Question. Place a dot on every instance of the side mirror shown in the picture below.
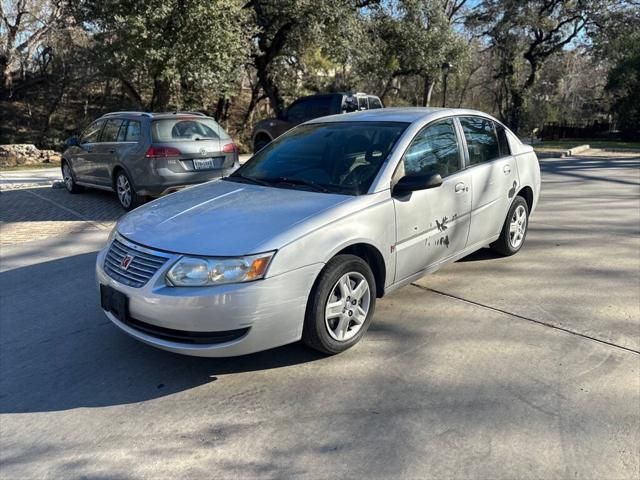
(411, 183)
(72, 142)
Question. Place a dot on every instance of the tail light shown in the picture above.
(162, 152)
(229, 148)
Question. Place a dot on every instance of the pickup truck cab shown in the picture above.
(308, 108)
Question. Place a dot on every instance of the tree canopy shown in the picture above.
(529, 63)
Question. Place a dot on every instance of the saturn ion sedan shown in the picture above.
(298, 243)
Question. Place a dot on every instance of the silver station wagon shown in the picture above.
(299, 242)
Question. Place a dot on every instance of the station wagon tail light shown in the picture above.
(162, 152)
(207, 271)
(229, 148)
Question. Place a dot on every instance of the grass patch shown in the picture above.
(33, 166)
(567, 143)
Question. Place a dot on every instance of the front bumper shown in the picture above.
(265, 314)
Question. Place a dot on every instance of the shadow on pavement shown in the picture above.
(579, 167)
(59, 352)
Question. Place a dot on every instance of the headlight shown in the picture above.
(201, 271)
(112, 235)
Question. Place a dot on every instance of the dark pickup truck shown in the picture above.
(307, 108)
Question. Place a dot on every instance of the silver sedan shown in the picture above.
(299, 242)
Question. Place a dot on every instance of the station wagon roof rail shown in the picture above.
(111, 114)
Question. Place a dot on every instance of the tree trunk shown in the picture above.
(427, 91)
(131, 91)
(253, 102)
(269, 87)
(161, 95)
(516, 108)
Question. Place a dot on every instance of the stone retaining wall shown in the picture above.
(25, 154)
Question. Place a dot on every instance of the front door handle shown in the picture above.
(461, 187)
(507, 169)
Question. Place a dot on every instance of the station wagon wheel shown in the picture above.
(69, 179)
(341, 305)
(127, 195)
(514, 229)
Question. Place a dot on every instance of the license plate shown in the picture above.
(115, 302)
(207, 163)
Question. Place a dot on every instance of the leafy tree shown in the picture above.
(178, 45)
(420, 38)
(618, 43)
(523, 36)
(24, 24)
(285, 30)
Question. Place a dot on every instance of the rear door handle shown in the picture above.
(461, 187)
(112, 151)
(507, 169)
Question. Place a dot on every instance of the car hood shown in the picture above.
(223, 218)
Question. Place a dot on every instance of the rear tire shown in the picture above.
(514, 230)
(69, 178)
(341, 305)
(126, 193)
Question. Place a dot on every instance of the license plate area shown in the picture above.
(115, 302)
(208, 163)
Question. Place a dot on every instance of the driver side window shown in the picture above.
(298, 112)
(91, 134)
(434, 150)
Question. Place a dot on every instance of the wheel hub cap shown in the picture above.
(518, 226)
(347, 306)
(124, 190)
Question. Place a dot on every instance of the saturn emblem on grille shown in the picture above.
(126, 261)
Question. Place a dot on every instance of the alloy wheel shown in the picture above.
(124, 190)
(518, 227)
(67, 177)
(347, 306)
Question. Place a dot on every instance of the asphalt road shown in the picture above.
(496, 368)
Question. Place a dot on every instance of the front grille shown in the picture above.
(141, 268)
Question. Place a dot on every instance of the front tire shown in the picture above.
(341, 305)
(126, 193)
(259, 144)
(514, 230)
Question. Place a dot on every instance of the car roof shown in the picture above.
(155, 115)
(404, 114)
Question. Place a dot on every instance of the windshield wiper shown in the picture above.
(243, 179)
(296, 181)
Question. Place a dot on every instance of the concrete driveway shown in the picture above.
(526, 367)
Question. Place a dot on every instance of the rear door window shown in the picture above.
(92, 132)
(110, 131)
(362, 103)
(129, 131)
(482, 141)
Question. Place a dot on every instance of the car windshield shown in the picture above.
(335, 157)
(186, 129)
